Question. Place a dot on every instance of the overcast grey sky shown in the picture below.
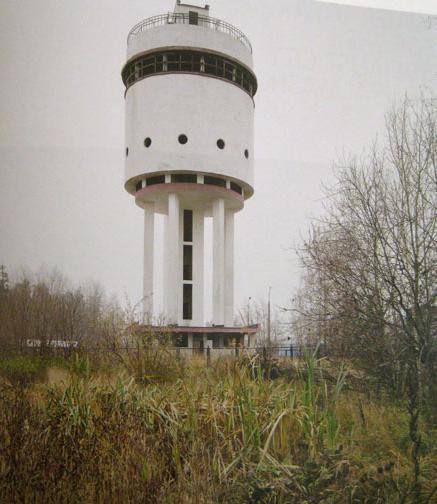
(327, 73)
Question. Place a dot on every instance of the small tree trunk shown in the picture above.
(414, 399)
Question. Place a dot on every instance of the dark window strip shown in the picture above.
(188, 263)
(187, 306)
(214, 181)
(235, 187)
(188, 227)
(183, 177)
(189, 62)
(159, 179)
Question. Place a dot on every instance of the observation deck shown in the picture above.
(182, 18)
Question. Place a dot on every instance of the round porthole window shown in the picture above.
(183, 139)
(246, 154)
(220, 144)
(147, 142)
(127, 151)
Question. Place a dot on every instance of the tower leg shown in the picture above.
(149, 229)
(218, 258)
(229, 267)
(198, 241)
(173, 263)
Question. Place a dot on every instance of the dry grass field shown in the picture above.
(150, 428)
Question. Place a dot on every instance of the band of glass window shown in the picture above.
(189, 62)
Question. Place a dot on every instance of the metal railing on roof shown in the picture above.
(184, 18)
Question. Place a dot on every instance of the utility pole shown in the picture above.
(268, 321)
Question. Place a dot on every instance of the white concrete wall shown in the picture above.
(218, 260)
(149, 238)
(181, 262)
(189, 36)
(205, 109)
(198, 266)
(229, 268)
(173, 263)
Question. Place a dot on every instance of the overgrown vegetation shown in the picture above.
(225, 433)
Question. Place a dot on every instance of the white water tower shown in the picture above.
(189, 155)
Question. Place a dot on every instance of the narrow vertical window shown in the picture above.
(188, 302)
(188, 262)
(188, 225)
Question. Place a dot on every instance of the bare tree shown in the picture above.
(48, 309)
(372, 265)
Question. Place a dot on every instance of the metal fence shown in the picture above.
(284, 351)
(184, 18)
(279, 352)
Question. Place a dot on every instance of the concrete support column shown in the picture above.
(149, 230)
(180, 310)
(229, 268)
(198, 248)
(246, 339)
(190, 345)
(173, 263)
(221, 342)
(218, 259)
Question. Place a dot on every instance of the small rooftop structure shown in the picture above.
(185, 8)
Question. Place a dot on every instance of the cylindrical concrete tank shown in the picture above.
(189, 135)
